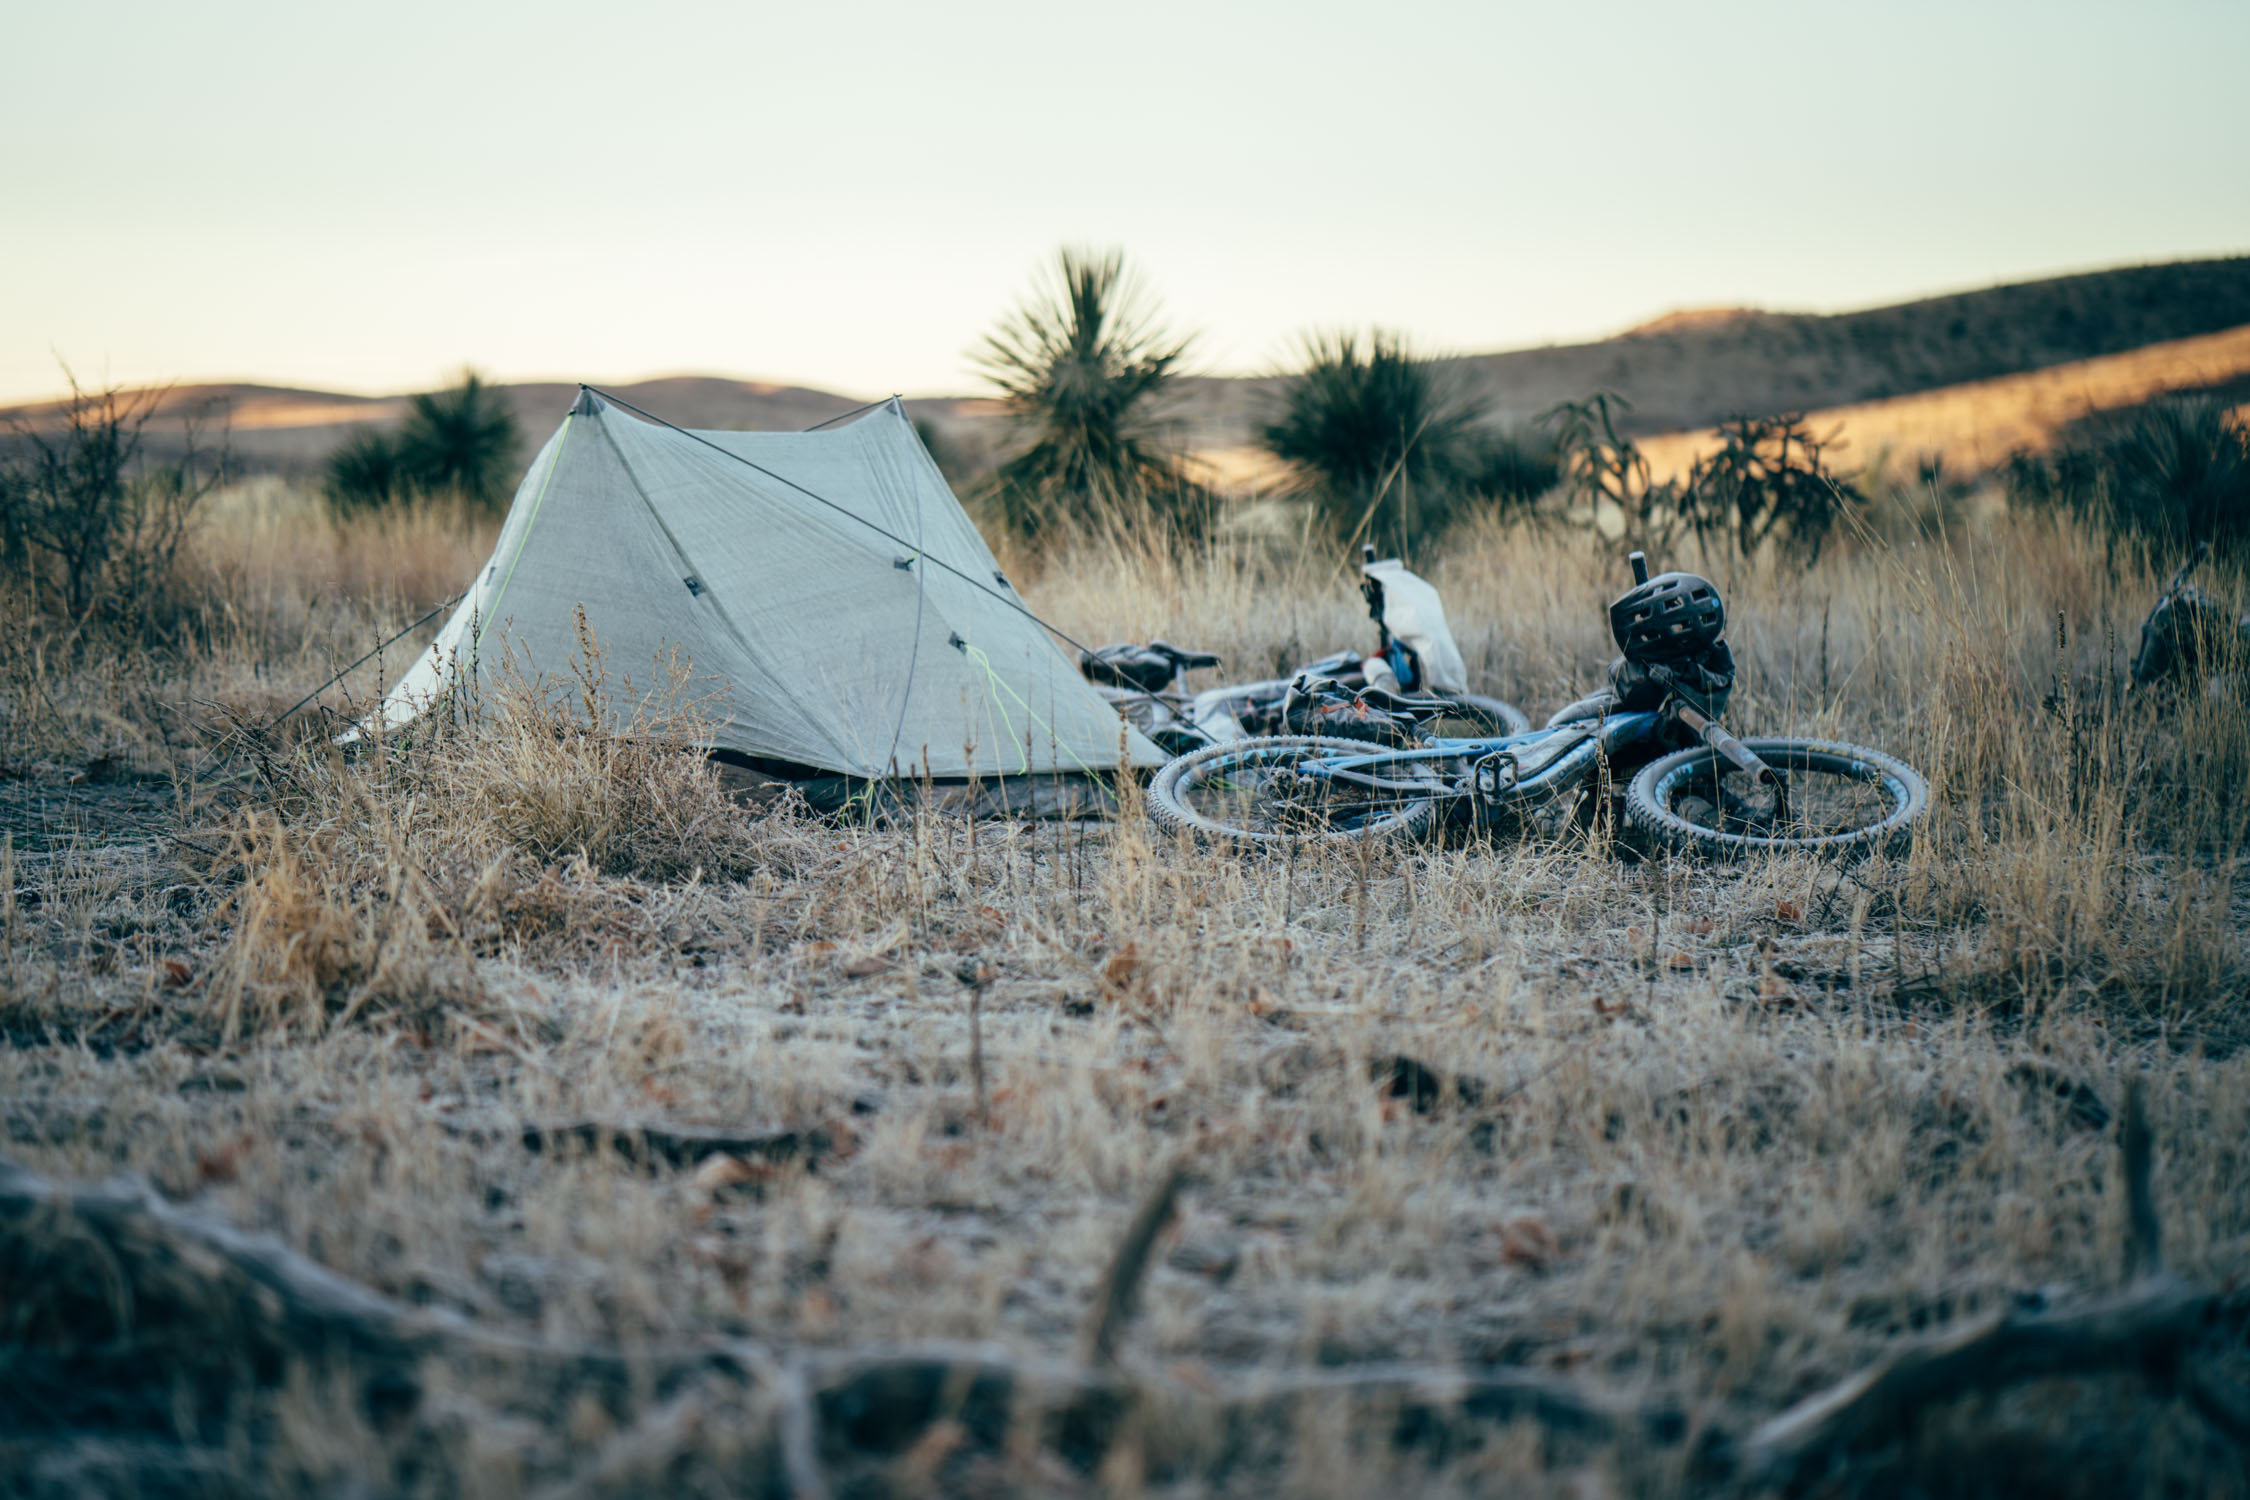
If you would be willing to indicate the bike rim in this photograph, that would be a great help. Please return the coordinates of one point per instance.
(1261, 792)
(1824, 800)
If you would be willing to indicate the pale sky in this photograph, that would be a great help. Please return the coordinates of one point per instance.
(365, 197)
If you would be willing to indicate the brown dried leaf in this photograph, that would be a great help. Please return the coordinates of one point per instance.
(866, 966)
(223, 1162)
(1123, 965)
(721, 1171)
(178, 973)
(1529, 1241)
(1788, 911)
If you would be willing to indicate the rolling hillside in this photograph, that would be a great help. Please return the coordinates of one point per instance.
(1974, 373)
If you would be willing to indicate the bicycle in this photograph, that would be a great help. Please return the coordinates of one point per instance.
(1415, 673)
(1714, 795)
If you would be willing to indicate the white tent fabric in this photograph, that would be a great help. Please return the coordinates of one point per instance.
(835, 605)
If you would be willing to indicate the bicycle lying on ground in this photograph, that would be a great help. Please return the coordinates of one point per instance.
(1693, 786)
(1414, 675)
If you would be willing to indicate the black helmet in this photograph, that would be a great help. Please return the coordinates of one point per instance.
(1671, 617)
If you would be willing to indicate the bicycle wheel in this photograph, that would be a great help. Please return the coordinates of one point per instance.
(1471, 716)
(1256, 706)
(1249, 791)
(1840, 799)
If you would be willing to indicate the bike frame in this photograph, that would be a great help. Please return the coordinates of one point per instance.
(1530, 776)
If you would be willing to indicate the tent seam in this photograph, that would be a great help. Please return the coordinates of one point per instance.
(742, 643)
(554, 462)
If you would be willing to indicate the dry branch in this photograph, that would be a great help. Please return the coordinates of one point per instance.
(2144, 1235)
(635, 1460)
(1120, 1289)
(286, 1301)
(650, 1145)
(2152, 1324)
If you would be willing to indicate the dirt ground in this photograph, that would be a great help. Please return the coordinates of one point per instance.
(519, 1113)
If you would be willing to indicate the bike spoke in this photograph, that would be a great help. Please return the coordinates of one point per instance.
(1813, 804)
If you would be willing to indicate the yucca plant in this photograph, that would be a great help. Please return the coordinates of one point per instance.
(458, 441)
(366, 471)
(1770, 480)
(462, 439)
(2181, 473)
(1603, 467)
(1083, 366)
(1386, 448)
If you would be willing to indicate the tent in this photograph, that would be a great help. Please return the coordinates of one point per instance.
(835, 605)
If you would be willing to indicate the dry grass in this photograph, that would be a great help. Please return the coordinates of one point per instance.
(1707, 1138)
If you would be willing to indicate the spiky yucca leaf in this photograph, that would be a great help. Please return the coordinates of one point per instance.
(462, 439)
(1388, 448)
(1082, 366)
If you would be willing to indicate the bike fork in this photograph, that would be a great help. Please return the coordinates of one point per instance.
(1741, 755)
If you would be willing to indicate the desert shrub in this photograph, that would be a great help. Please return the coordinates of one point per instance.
(92, 527)
(367, 471)
(1082, 368)
(1511, 469)
(1603, 469)
(1388, 448)
(1769, 481)
(2177, 472)
(461, 441)
(559, 771)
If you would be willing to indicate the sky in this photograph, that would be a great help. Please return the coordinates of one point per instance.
(367, 197)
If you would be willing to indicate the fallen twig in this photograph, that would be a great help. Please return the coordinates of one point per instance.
(634, 1460)
(1119, 1291)
(2152, 1323)
(2152, 1326)
(646, 1145)
(2144, 1235)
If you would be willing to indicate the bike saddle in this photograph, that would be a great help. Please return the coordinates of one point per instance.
(1186, 661)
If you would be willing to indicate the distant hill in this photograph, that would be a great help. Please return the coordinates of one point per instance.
(1976, 424)
(1682, 371)
(1687, 373)
(1693, 368)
